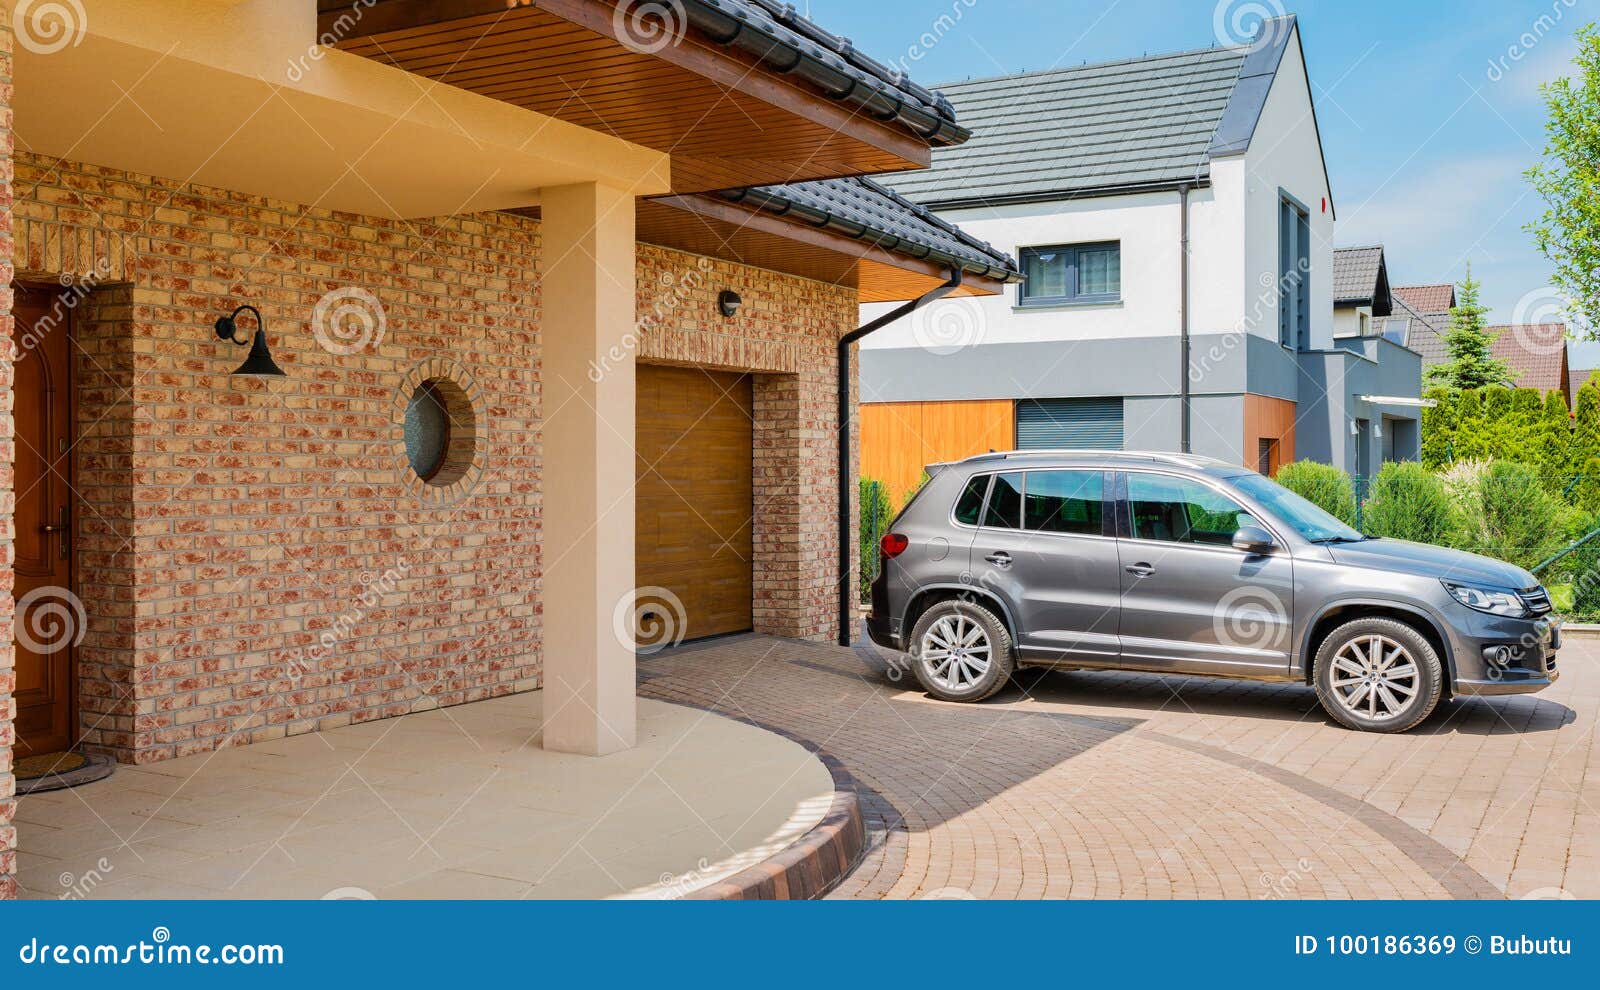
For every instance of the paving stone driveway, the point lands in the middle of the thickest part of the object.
(1130, 785)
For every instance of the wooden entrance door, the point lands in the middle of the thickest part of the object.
(49, 619)
(695, 493)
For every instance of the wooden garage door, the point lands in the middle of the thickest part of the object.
(694, 500)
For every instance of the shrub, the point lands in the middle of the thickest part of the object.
(1323, 485)
(876, 511)
(1408, 502)
(1509, 515)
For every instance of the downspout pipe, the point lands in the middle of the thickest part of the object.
(846, 537)
(1183, 319)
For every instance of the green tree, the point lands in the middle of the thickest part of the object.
(1584, 445)
(1569, 181)
(1552, 440)
(1471, 363)
(1520, 429)
(1470, 440)
(1439, 428)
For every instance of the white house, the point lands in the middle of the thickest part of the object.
(1095, 177)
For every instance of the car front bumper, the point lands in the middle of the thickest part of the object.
(1529, 664)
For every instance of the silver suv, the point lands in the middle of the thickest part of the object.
(1184, 565)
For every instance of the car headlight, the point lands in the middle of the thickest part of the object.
(1491, 600)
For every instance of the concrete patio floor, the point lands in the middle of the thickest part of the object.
(453, 803)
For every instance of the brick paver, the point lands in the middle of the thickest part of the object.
(1132, 785)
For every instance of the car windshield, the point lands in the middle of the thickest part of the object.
(1304, 517)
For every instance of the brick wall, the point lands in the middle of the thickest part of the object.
(257, 559)
(8, 806)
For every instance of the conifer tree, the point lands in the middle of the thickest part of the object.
(1471, 363)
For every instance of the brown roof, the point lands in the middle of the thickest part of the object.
(1428, 298)
(1536, 353)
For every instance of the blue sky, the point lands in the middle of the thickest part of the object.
(1429, 111)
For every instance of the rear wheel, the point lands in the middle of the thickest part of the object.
(961, 651)
(1378, 675)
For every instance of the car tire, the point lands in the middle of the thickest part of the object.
(982, 641)
(1368, 694)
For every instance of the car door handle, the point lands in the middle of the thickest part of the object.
(1140, 569)
(999, 558)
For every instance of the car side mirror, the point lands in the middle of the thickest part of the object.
(1253, 539)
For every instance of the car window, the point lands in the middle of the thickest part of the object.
(970, 505)
(1063, 501)
(1005, 502)
(1178, 510)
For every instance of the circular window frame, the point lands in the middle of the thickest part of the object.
(460, 464)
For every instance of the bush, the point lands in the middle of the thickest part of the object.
(876, 511)
(1323, 485)
(1508, 514)
(1408, 502)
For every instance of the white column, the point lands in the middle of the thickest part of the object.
(586, 329)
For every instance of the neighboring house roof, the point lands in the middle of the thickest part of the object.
(773, 32)
(865, 210)
(1428, 298)
(1536, 352)
(1111, 127)
(1361, 278)
(1427, 332)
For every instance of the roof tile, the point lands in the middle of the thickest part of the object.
(1093, 127)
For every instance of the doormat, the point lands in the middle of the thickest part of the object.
(54, 771)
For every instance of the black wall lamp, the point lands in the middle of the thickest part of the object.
(258, 363)
(728, 302)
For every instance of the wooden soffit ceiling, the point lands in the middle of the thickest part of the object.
(725, 120)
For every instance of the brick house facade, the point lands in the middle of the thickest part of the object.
(225, 524)
(228, 523)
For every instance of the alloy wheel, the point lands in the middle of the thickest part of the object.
(1375, 677)
(956, 652)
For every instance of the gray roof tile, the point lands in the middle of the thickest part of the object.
(1355, 273)
(1114, 125)
(862, 209)
(774, 32)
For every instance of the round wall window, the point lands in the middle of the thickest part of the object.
(439, 431)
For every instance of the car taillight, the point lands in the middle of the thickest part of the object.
(893, 545)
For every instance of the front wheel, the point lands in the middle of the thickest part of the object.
(1378, 675)
(961, 651)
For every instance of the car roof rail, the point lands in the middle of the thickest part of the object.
(1153, 456)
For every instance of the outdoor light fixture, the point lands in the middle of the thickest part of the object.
(258, 363)
(728, 302)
